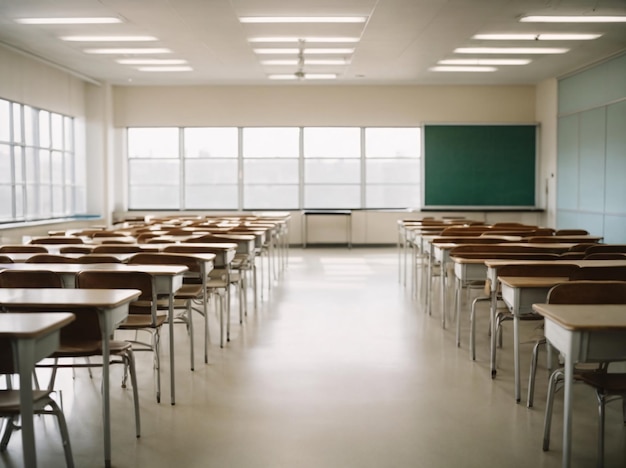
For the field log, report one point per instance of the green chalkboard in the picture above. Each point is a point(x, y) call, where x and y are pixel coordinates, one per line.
point(479, 165)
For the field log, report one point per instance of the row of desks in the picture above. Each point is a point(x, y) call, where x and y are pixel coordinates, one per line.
point(573, 330)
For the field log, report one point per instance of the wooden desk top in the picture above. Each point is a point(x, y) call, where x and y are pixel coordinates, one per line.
point(66, 297)
point(74, 268)
point(585, 317)
point(495, 263)
point(532, 281)
point(32, 325)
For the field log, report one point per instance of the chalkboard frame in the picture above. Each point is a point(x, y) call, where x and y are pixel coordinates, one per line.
point(482, 179)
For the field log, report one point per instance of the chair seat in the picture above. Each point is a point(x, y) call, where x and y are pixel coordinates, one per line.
point(10, 400)
point(607, 382)
point(142, 321)
point(189, 291)
point(89, 348)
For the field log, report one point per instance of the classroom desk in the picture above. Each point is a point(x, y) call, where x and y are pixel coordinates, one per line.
point(582, 333)
point(492, 275)
point(112, 308)
point(519, 294)
point(305, 225)
point(33, 337)
point(168, 279)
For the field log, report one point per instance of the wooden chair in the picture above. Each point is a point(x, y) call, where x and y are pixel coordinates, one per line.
point(23, 249)
point(582, 246)
point(191, 290)
point(75, 249)
point(80, 339)
point(606, 248)
point(147, 313)
point(606, 256)
point(97, 258)
point(49, 258)
point(42, 404)
point(117, 248)
point(605, 384)
point(617, 273)
point(57, 240)
point(555, 240)
point(5, 259)
point(571, 232)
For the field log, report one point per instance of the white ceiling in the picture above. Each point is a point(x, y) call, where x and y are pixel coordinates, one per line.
point(399, 42)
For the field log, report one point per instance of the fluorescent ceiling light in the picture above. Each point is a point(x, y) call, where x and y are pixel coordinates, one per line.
point(279, 51)
point(306, 76)
point(537, 37)
point(164, 69)
point(306, 62)
point(305, 39)
point(120, 50)
point(108, 38)
point(510, 50)
point(573, 19)
point(151, 61)
point(303, 19)
point(96, 20)
point(484, 62)
point(463, 69)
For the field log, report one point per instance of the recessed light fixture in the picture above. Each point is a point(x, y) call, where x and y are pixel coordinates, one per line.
point(510, 50)
point(573, 19)
point(164, 69)
point(108, 38)
point(96, 20)
point(306, 76)
point(537, 37)
point(462, 69)
point(479, 62)
point(151, 61)
point(303, 19)
point(306, 62)
point(305, 39)
point(119, 50)
point(279, 51)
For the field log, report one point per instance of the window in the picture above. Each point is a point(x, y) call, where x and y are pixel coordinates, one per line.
point(38, 177)
point(264, 168)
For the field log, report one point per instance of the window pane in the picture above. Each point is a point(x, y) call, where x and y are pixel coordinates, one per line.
point(31, 201)
point(44, 167)
point(68, 168)
point(44, 208)
point(153, 142)
point(44, 129)
point(17, 123)
point(153, 172)
point(332, 171)
point(56, 125)
point(6, 168)
point(19, 201)
point(18, 165)
point(211, 142)
point(68, 131)
point(213, 171)
point(213, 197)
point(29, 125)
point(332, 196)
point(392, 142)
point(5, 120)
point(341, 142)
point(270, 171)
point(258, 197)
point(149, 197)
point(57, 167)
point(398, 171)
point(31, 166)
point(271, 142)
point(392, 196)
point(6, 202)
point(58, 207)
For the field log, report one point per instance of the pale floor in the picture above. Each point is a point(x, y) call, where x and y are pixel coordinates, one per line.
point(338, 368)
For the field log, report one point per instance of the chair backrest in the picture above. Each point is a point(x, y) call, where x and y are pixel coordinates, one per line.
point(209, 238)
point(30, 279)
point(539, 270)
point(49, 258)
point(571, 232)
point(572, 255)
point(97, 258)
point(461, 231)
point(465, 240)
point(600, 273)
point(606, 248)
point(581, 247)
point(606, 256)
point(5, 259)
point(105, 279)
point(108, 234)
point(588, 292)
point(117, 248)
point(163, 258)
point(23, 249)
point(509, 256)
point(549, 239)
point(79, 249)
point(57, 240)
point(501, 248)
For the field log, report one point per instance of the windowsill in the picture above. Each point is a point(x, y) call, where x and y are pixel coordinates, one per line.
point(48, 222)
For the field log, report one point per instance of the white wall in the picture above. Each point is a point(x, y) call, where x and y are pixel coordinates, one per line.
point(547, 111)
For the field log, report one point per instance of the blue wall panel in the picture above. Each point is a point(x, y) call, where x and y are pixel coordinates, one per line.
point(592, 142)
point(567, 163)
point(616, 158)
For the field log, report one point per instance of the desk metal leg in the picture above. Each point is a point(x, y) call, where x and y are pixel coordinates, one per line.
point(567, 410)
point(494, 306)
point(26, 356)
point(516, 357)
